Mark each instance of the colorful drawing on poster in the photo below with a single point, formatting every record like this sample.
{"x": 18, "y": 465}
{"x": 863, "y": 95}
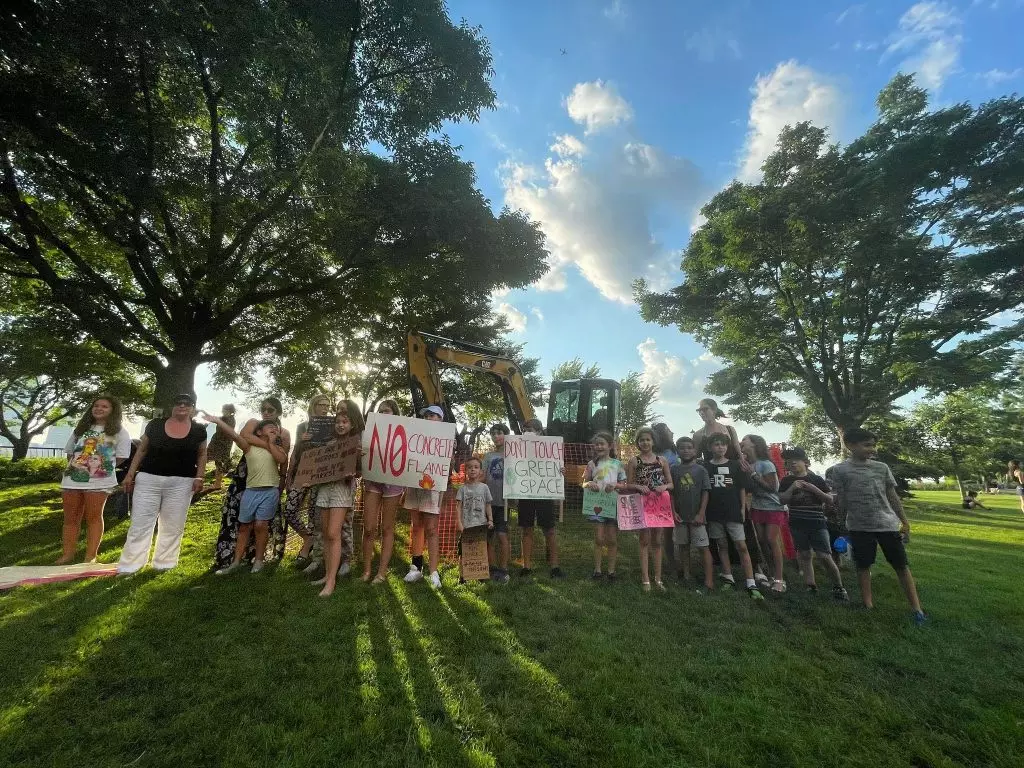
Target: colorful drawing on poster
{"x": 600, "y": 504}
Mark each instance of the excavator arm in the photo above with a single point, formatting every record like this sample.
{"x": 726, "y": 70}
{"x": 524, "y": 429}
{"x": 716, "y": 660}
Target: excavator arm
{"x": 426, "y": 353}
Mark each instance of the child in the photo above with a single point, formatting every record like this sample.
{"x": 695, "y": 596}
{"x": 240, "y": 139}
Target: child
{"x": 335, "y": 500}
{"x": 690, "y": 500}
{"x": 424, "y": 513}
{"x": 648, "y": 473}
{"x": 604, "y": 473}
{"x": 493, "y": 467}
{"x": 473, "y": 502}
{"x": 807, "y": 496}
{"x": 725, "y": 511}
{"x": 972, "y": 502}
{"x": 219, "y": 450}
{"x": 542, "y": 512}
{"x": 380, "y": 504}
{"x": 870, "y": 508}
{"x": 266, "y": 459}
{"x": 766, "y": 511}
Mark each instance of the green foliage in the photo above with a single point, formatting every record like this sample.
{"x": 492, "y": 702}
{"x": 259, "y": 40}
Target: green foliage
{"x": 26, "y": 471}
{"x": 575, "y": 369}
{"x": 851, "y": 275}
{"x": 196, "y": 182}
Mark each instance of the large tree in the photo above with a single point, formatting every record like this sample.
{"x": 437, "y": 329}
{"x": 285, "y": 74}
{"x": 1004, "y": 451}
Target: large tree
{"x": 194, "y": 181}
{"x": 850, "y": 275}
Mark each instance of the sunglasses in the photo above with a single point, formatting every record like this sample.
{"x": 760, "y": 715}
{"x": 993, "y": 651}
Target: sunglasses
{"x": 183, "y": 402}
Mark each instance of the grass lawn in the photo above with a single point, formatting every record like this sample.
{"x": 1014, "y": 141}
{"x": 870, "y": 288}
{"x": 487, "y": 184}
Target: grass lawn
{"x": 184, "y": 669}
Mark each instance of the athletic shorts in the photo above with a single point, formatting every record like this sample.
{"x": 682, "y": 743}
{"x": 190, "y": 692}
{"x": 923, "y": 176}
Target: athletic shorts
{"x": 808, "y": 536}
{"x": 500, "y": 521}
{"x": 690, "y": 535}
{"x": 865, "y": 548}
{"x": 259, "y": 504}
{"x": 386, "y": 490}
{"x": 339, "y": 494}
{"x": 718, "y": 530}
{"x": 768, "y": 516}
{"x": 422, "y": 500}
{"x": 536, "y": 512}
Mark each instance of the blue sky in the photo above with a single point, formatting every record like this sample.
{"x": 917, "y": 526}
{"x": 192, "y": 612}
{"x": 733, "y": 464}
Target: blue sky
{"x": 657, "y": 104}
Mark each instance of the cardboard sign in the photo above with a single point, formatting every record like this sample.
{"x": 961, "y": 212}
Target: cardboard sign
{"x": 534, "y": 467}
{"x": 473, "y": 563}
{"x": 321, "y": 428}
{"x": 413, "y": 453}
{"x": 645, "y": 510}
{"x": 600, "y": 504}
{"x": 327, "y": 464}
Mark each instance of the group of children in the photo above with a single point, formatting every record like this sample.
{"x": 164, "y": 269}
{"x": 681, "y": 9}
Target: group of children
{"x": 725, "y": 505}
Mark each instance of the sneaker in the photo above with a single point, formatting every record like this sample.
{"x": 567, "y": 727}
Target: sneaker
{"x": 257, "y": 566}
{"x": 646, "y": 586}
{"x": 755, "y": 593}
{"x": 435, "y": 580}
{"x": 660, "y": 585}
{"x": 313, "y": 567}
{"x": 229, "y": 569}
{"x": 728, "y": 583}
{"x": 556, "y": 573}
{"x": 414, "y": 575}
{"x": 919, "y": 618}
{"x": 814, "y": 588}
{"x": 345, "y": 569}
{"x": 778, "y": 586}
{"x": 840, "y": 594}
{"x": 525, "y": 573}
{"x": 761, "y": 579}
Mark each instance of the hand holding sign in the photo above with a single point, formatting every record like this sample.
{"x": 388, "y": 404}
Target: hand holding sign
{"x": 327, "y": 464}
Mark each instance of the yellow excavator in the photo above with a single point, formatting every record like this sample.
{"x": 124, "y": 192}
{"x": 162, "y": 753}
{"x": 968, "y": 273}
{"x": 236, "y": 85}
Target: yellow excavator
{"x": 577, "y": 408}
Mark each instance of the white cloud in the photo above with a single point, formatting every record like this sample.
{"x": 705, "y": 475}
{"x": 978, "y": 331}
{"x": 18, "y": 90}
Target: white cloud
{"x": 707, "y": 42}
{"x": 616, "y": 11}
{"x": 996, "y": 77}
{"x": 850, "y": 12}
{"x": 929, "y": 36}
{"x": 668, "y": 372}
{"x": 598, "y": 105}
{"x": 865, "y": 45}
{"x": 537, "y": 314}
{"x": 568, "y": 145}
{"x": 791, "y": 94}
{"x": 516, "y": 320}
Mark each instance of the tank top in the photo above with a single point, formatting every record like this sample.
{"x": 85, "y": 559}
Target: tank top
{"x": 262, "y": 468}
{"x": 650, "y": 475}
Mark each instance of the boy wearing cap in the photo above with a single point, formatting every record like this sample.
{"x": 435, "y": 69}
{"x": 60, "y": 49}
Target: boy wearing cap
{"x": 493, "y": 465}
{"x": 807, "y": 496}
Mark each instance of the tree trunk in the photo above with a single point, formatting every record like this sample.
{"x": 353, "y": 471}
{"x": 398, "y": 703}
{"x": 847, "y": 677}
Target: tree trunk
{"x": 178, "y": 377}
{"x": 19, "y": 448}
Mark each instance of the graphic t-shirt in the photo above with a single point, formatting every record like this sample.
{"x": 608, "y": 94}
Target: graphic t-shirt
{"x": 94, "y": 456}
{"x": 689, "y": 482}
{"x": 606, "y": 472}
{"x": 766, "y": 500}
{"x": 862, "y": 487}
{"x": 474, "y": 498}
{"x": 725, "y": 499}
{"x": 493, "y": 465}
{"x": 804, "y": 507}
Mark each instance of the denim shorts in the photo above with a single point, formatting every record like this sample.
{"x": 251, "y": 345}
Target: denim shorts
{"x": 811, "y": 536}
{"x": 258, "y": 504}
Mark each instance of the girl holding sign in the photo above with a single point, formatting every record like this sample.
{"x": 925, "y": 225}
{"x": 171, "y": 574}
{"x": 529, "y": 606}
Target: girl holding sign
{"x": 604, "y": 474}
{"x": 335, "y": 500}
{"x": 650, "y": 475}
{"x": 380, "y": 503}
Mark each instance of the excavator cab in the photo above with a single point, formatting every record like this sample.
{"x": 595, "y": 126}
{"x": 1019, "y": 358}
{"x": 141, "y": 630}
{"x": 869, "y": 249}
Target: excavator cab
{"x": 579, "y": 408}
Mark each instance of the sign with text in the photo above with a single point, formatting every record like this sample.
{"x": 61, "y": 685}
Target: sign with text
{"x": 534, "y": 467}
{"x": 321, "y": 429}
{"x": 473, "y": 563}
{"x": 645, "y": 510}
{"x": 600, "y": 504}
{"x": 327, "y": 464}
{"x": 413, "y": 453}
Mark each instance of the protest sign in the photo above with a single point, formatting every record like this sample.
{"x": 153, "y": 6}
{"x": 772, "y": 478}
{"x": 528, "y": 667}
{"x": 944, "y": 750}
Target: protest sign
{"x": 327, "y": 464}
{"x": 321, "y": 429}
{"x": 631, "y": 512}
{"x": 600, "y": 504}
{"x": 534, "y": 467}
{"x": 645, "y": 510}
{"x": 414, "y": 453}
{"x": 473, "y": 563}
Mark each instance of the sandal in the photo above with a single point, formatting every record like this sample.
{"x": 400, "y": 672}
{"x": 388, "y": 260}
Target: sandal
{"x": 778, "y": 586}
{"x": 646, "y": 585}
{"x": 365, "y": 577}
{"x": 378, "y": 579}
{"x": 660, "y": 586}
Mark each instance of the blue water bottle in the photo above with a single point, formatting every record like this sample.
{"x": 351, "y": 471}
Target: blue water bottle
{"x": 840, "y": 545}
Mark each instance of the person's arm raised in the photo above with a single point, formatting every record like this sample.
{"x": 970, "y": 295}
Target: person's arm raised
{"x": 227, "y": 429}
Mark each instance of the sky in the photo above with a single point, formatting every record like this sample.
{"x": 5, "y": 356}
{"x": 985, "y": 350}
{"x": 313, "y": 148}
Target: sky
{"x": 618, "y": 119}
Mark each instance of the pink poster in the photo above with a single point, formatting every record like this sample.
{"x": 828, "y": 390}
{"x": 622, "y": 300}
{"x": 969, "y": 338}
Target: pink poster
{"x": 649, "y": 510}
{"x": 631, "y": 512}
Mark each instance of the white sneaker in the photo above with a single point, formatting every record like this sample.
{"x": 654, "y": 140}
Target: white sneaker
{"x": 435, "y": 580}
{"x": 345, "y": 569}
{"x": 414, "y": 575}
{"x": 229, "y": 569}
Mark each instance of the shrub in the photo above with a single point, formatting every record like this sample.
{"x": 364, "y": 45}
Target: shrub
{"x": 29, "y": 471}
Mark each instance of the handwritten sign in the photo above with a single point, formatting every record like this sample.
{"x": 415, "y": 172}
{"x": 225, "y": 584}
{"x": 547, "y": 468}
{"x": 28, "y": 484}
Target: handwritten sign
{"x": 327, "y": 464}
{"x": 413, "y": 453}
{"x": 473, "y": 563}
{"x": 600, "y": 504}
{"x": 645, "y": 510}
{"x": 321, "y": 428}
{"x": 534, "y": 467}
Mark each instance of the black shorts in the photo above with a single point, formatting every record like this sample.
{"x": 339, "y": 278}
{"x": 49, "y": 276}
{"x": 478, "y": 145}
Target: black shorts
{"x": 864, "y": 548}
{"x": 500, "y": 521}
{"x": 536, "y": 511}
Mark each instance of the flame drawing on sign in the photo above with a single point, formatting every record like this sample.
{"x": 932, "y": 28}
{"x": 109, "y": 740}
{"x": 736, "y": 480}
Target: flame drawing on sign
{"x": 426, "y": 482}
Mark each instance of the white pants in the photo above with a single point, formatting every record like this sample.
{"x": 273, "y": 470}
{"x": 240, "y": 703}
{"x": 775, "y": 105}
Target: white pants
{"x": 156, "y": 499}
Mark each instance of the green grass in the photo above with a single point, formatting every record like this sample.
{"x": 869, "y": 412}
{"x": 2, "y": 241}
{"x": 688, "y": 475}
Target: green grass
{"x": 184, "y": 669}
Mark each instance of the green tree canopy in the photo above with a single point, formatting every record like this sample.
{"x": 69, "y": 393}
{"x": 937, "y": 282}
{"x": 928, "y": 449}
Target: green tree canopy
{"x": 850, "y": 275}
{"x": 194, "y": 181}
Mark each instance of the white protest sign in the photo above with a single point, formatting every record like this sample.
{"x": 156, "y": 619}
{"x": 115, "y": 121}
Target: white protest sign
{"x": 414, "y": 453}
{"x": 534, "y": 467}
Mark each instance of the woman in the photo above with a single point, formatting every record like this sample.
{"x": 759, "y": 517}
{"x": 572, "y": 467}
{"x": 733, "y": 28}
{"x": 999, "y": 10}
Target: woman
{"x": 98, "y": 444}
{"x": 167, "y": 470}
{"x": 319, "y": 406}
{"x": 221, "y": 444}
{"x": 270, "y": 410}
{"x": 380, "y": 505}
